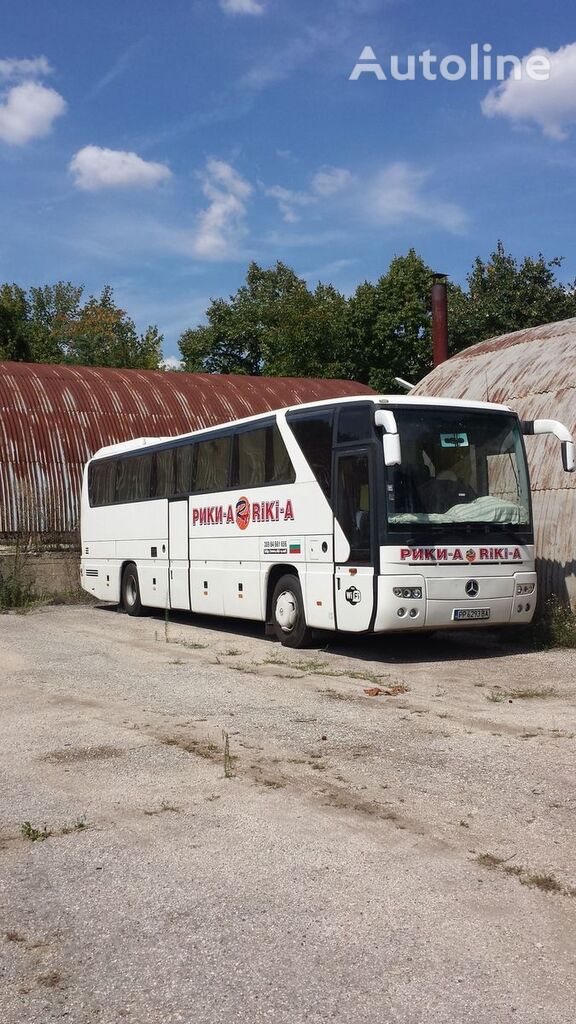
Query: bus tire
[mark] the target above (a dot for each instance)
(288, 616)
(131, 590)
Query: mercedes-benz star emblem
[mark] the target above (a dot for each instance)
(472, 588)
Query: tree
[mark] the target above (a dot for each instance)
(52, 312)
(15, 340)
(504, 295)
(49, 325)
(389, 325)
(242, 332)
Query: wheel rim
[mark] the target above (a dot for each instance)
(131, 591)
(286, 611)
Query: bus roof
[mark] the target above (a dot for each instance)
(405, 400)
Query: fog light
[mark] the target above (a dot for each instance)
(518, 607)
(413, 613)
(408, 593)
(527, 607)
(401, 612)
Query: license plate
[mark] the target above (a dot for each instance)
(470, 613)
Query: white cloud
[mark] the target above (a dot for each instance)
(287, 199)
(171, 363)
(96, 168)
(549, 102)
(327, 182)
(242, 6)
(12, 68)
(221, 224)
(396, 193)
(389, 195)
(120, 66)
(28, 111)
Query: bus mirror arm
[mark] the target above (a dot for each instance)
(559, 431)
(390, 439)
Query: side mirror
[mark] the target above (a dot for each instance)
(390, 439)
(568, 456)
(559, 431)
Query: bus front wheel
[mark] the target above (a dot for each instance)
(131, 590)
(288, 613)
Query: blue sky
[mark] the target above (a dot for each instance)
(160, 147)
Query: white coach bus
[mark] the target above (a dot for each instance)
(364, 515)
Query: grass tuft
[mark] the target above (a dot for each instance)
(33, 834)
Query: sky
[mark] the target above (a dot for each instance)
(160, 148)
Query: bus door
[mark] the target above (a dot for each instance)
(178, 553)
(354, 507)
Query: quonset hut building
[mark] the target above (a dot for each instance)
(534, 372)
(54, 417)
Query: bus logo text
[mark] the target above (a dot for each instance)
(504, 554)
(242, 513)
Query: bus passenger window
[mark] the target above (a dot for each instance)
(101, 483)
(279, 465)
(141, 474)
(184, 457)
(250, 461)
(164, 473)
(314, 435)
(123, 480)
(212, 464)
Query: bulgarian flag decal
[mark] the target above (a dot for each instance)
(294, 549)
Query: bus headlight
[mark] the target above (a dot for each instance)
(408, 593)
(525, 588)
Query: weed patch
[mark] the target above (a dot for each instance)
(35, 835)
(498, 696)
(202, 748)
(556, 626)
(544, 881)
(228, 758)
(17, 592)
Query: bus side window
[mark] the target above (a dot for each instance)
(249, 468)
(101, 480)
(212, 464)
(184, 469)
(164, 473)
(133, 478)
(279, 468)
(314, 435)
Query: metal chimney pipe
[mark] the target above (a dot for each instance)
(439, 319)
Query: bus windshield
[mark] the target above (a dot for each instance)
(458, 466)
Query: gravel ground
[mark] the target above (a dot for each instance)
(405, 857)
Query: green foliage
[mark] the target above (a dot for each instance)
(556, 627)
(17, 592)
(35, 835)
(274, 324)
(504, 295)
(50, 325)
(391, 324)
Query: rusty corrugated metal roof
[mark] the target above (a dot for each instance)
(54, 417)
(534, 372)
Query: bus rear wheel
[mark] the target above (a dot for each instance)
(131, 590)
(288, 613)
